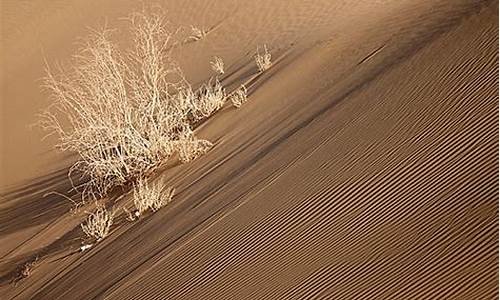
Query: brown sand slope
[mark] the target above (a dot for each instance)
(363, 167)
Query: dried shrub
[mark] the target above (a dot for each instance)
(190, 150)
(239, 96)
(25, 270)
(98, 223)
(263, 61)
(209, 98)
(217, 65)
(189, 147)
(121, 111)
(151, 196)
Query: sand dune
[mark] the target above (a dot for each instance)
(364, 165)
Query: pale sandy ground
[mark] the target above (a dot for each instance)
(364, 165)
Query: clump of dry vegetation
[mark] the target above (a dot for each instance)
(198, 33)
(209, 98)
(263, 61)
(25, 270)
(239, 96)
(192, 148)
(217, 65)
(125, 113)
(151, 196)
(98, 223)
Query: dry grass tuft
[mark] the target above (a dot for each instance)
(189, 147)
(197, 33)
(98, 223)
(190, 150)
(218, 65)
(209, 98)
(151, 196)
(239, 96)
(263, 61)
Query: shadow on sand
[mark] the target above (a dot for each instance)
(38, 202)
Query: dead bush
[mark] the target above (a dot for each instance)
(189, 147)
(209, 98)
(263, 60)
(121, 111)
(217, 65)
(151, 196)
(98, 223)
(239, 96)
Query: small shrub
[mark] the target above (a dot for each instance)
(190, 150)
(98, 223)
(217, 65)
(189, 147)
(151, 196)
(25, 270)
(263, 61)
(209, 98)
(239, 96)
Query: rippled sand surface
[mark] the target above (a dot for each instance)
(363, 166)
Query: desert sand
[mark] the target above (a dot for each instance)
(363, 166)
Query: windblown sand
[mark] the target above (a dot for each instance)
(363, 166)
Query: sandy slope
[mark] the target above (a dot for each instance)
(363, 167)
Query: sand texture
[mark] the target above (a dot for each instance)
(363, 166)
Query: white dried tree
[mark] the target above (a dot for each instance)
(121, 111)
